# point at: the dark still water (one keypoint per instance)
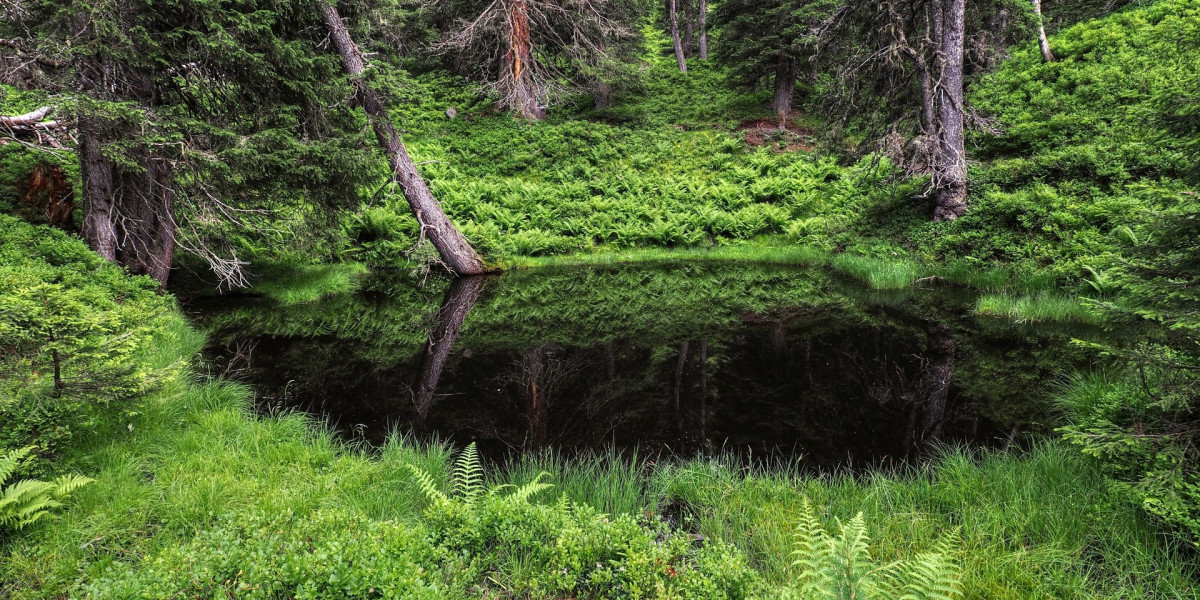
(765, 361)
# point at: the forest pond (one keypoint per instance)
(764, 361)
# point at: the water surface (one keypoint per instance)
(766, 361)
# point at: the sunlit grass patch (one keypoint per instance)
(881, 273)
(750, 253)
(298, 284)
(1035, 308)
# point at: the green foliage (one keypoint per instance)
(74, 328)
(26, 501)
(840, 568)
(1138, 423)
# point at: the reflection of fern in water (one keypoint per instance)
(28, 500)
(840, 568)
(467, 480)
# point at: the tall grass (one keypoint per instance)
(762, 252)
(299, 284)
(881, 274)
(1036, 308)
(1032, 525)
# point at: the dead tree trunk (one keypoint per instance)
(518, 90)
(457, 303)
(703, 29)
(785, 87)
(673, 17)
(950, 160)
(1043, 42)
(454, 249)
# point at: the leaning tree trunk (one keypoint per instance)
(454, 249)
(785, 87)
(703, 29)
(1043, 42)
(671, 15)
(950, 160)
(518, 90)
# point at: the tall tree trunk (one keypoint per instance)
(99, 222)
(671, 15)
(689, 28)
(1043, 42)
(785, 87)
(950, 162)
(454, 249)
(703, 29)
(147, 233)
(704, 393)
(518, 90)
(456, 304)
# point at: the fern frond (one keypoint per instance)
(26, 501)
(812, 553)
(11, 460)
(425, 482)
(468, 474)
(527, 491)
(66, 484)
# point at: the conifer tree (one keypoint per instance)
(767, 40)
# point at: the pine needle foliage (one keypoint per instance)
(28, 500)
(840, 567)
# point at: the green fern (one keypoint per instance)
(841, 568)
(467, 482)
(26, 501)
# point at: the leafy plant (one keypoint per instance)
(467, 481)
(28, 500)
(841, 568)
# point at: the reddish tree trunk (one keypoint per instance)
(519, 90)
(454, 249)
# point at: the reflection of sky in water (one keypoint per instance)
(766, 361)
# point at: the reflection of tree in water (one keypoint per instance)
(834, 381)
(459, 300)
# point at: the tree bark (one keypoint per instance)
(950, 161)
(99, 228)
(456, 304)
(671, 15)
(785, 87)
(1043, 42)
(703, 29)
(518, 90)
(454, 249)
(147, 233)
